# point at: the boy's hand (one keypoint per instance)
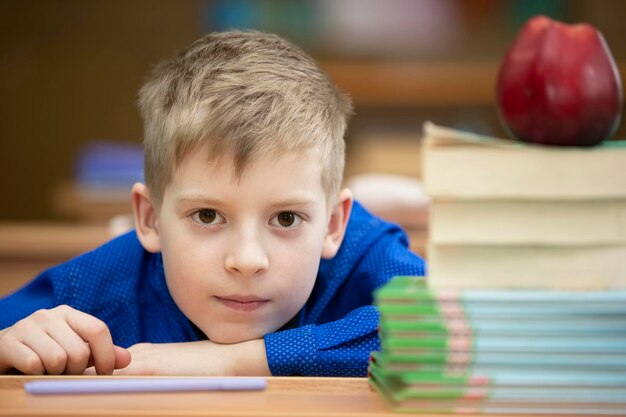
(58, 341)
(197, 358)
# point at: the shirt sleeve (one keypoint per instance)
(35, 295)
(339, 348)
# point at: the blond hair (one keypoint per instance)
(245, 94)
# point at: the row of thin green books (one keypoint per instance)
(502, 351)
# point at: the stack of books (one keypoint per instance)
(500, 351)
(523, 310)
(509, 214)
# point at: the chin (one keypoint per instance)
(228, 336)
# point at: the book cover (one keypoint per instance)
(526, 222)
(528, 266)
(462, 165)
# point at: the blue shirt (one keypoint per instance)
(124, 285)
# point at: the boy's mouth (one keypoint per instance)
(242, 303)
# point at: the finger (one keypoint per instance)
(77, 351)
(122, 357)
(50, 353)
(95, 332)
(21, 357)
(30, 349)
(90, 371)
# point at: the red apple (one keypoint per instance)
(559, 85)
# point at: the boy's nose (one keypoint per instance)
(246, 257)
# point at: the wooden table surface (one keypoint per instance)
(285, 396)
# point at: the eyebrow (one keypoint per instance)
(197, 198)
(296, 201)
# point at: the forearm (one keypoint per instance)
(249, 358)
(198, 358)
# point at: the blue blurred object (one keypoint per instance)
(234, 14)
(108, 165)
(293, 20)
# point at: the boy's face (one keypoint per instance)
(241, 255)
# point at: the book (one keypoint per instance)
(506, 363)
(470, 345)
(414, 392)
(407, 289)
(399, 324)
(464, 165)
(493, 374)
(527, 266)
(526, 222)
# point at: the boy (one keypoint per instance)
(244, 156)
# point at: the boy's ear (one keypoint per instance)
(339, 216)
(145, 218)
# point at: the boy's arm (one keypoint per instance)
(339, 348)
(36, 295)
(197, 358)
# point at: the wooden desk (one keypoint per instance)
(28, 249)
(284, 397)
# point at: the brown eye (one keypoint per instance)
(207, 216)
(286, 219)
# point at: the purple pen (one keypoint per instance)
(122, 385)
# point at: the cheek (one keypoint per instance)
(188, 267)
(296, 267)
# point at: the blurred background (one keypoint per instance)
(70, 71)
